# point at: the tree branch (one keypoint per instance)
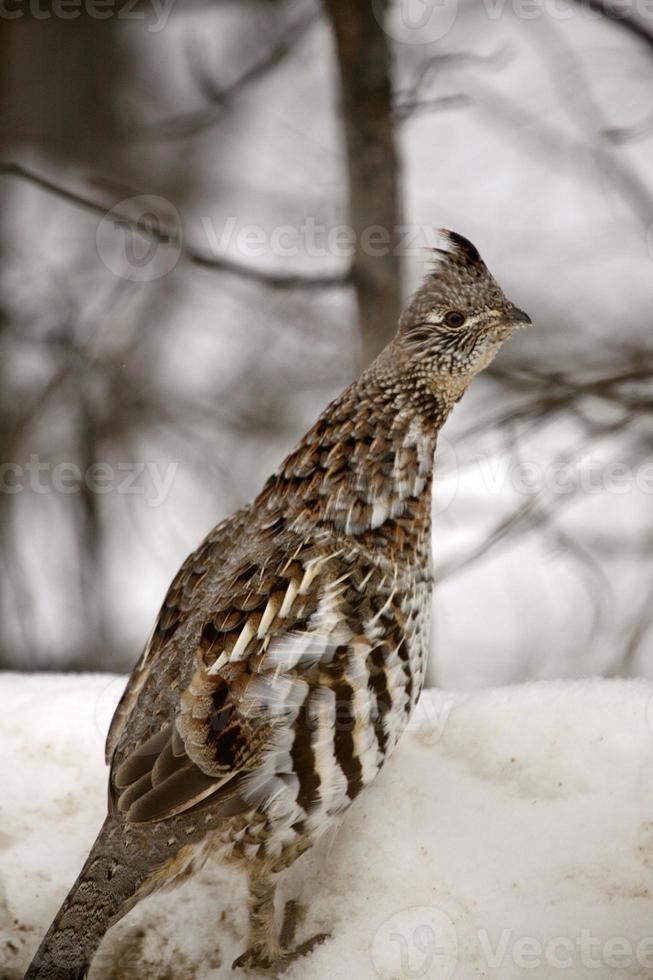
(169, 236)
(625, 20)
(220, 99)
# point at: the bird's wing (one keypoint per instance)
(178, 605)
(273, 621)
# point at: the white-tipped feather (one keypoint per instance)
(219, 664)
(291, 594)
(240, 649)
(267, 618)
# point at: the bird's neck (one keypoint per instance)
(365, 468)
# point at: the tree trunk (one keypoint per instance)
(373, 169)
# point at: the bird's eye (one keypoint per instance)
(454, 318)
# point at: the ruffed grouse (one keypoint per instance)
(291, 647)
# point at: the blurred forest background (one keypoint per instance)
(182, 182)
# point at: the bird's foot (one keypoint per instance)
(293, 915)
(258, 957)
(266, 956)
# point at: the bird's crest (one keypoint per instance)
(456, 277)
(452, 248)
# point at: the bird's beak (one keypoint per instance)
(517, 318)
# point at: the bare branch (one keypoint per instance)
(548, 392)
(168, 236)
(641, 626)
(220, 99)
(407, 107)
(408, 101)
(624, 19)
(520, 124)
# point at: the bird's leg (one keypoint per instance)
(264, 947)
(292, 917)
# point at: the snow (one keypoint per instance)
(511, 835)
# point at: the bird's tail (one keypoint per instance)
(101, 895)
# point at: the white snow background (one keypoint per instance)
(511, 835)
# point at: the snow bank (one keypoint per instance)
(510, 836)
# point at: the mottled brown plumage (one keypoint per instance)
(291, 647)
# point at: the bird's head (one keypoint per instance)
(457, 320)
